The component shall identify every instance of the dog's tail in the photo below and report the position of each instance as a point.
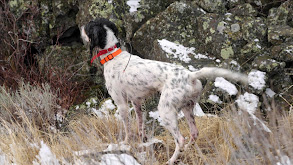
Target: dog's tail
(213, 72)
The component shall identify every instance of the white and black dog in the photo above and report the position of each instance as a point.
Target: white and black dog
(180, 89)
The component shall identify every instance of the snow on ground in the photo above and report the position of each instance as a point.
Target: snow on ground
(197, 111)
(191, 68)
(150, 142)
(106, 107)
(215, 99)
(118, 159)
(119, 147)
(180, 52)
(45, 156)
(2, 158)
(248, 102)
(270, 92)
(256, 79)
(134, 5)
(284, 160)
(225, 85)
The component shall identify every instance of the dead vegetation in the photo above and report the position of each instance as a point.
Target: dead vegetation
(231, 138)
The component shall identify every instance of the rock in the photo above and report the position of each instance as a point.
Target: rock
(176, 23)
(279, 16)
(212, 6)
(113, 10)
(266, 64)
(279, 34)
(147, 9)
(244, 10)
(280, 29)
(232, 3)
(71, 59)
(283, 52)
(254, 28)
(224, 36)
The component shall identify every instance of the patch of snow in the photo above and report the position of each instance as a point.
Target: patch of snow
(235, 63)
(106, 107)
(218, 60)
(284, 160)
(118, 159)
(94, 101)
(262, 124)
(197, 111)
(88, 104)
(248, 102)
(289, 50)
(222, 83)
(204, 12)
(191, 68)
(134, 5)
(215, 99)
(151, 142)
(270, 92)
(156, 116)
(84, 152)
(45, 156)
(256, 40)
(119, 147)
(201, 56)
(77, 107)
(178, 51)
(256, 79)
(2, 158)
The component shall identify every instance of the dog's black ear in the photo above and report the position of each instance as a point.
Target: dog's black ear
(97, 34)
(113, 27)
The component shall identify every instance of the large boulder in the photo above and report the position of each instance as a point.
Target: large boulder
(140, 13)
(212, 6)
(113, 10)
(280, 28)
(177, 24)
(224, 36)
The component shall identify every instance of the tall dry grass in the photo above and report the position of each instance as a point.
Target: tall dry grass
(233, 137)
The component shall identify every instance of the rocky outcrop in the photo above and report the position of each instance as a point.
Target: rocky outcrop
(242, 35)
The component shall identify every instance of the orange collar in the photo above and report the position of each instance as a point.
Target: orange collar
(110, 56)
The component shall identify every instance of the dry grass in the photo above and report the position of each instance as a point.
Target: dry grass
(228, 139)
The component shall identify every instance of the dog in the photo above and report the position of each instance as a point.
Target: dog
(129, 78)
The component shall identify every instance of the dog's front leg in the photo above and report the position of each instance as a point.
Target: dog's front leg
(123, 112)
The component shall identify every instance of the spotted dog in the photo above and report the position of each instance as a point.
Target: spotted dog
(132, 79)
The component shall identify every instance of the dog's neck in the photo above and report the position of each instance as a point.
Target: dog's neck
(111, 41)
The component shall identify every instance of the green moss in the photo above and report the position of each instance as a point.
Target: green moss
(208, 39)
(226, 53)
(205, 25)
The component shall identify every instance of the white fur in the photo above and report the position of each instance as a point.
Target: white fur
(180, 90)
(84, 37)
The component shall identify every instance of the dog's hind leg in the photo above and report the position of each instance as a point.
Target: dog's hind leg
(140, 122)
(169, 115)
(188, 113)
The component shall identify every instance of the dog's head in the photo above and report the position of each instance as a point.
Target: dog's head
(100, 33)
